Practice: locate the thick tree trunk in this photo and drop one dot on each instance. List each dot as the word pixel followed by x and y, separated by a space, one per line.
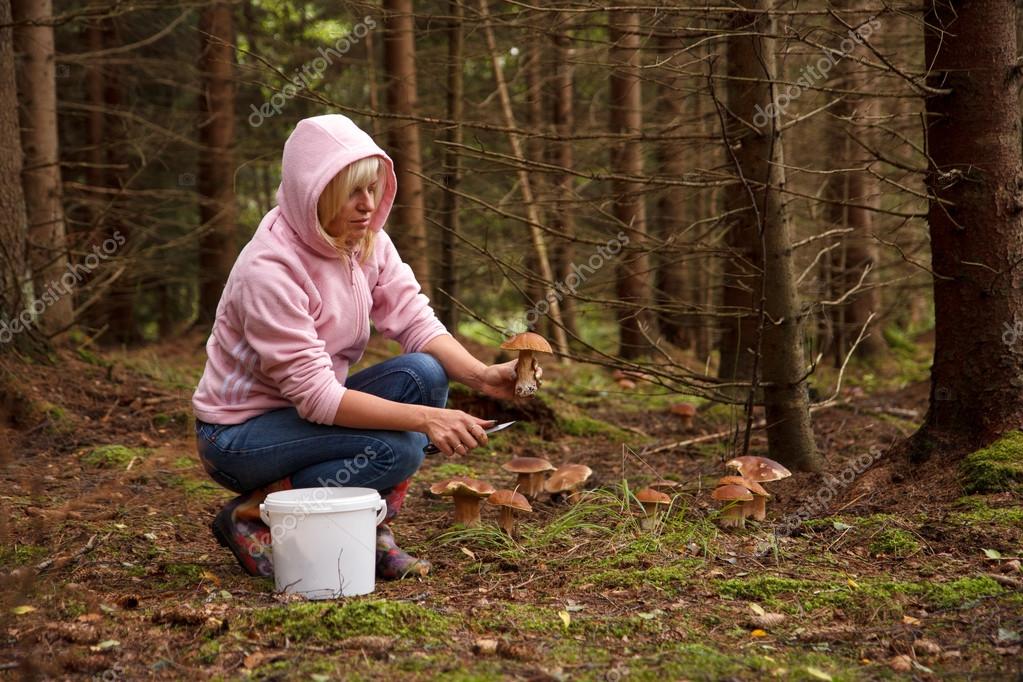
pixel 408 219
pixel 447 311
pixel 760 161
pixel 217 206
pixel 973 137
pixel 532 64
pixel 563 218
pixel 626 117
pixel 37 91
pixel 12 199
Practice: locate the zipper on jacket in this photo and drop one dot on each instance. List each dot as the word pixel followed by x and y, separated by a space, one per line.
pixel 358 298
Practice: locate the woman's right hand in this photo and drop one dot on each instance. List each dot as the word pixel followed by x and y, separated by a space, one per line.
pixel 455 432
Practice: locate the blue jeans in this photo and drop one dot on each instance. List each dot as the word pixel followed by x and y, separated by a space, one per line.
pixel 279 443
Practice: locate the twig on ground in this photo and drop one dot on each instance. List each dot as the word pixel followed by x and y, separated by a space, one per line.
pixel 85 549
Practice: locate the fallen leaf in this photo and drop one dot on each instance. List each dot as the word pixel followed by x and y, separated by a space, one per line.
pixel 1007 636
pixel 838 525
pixel 927 646
pixel 757 609
pixel 468 552
pixel 22 610
pixel 901 663
pixel 910 620
pixel 992 554
pixel 484 647
pixel 758 633
pixel 105 644
pixel 215 579
pixel 853 584
pixel 817 673
pixel 566 618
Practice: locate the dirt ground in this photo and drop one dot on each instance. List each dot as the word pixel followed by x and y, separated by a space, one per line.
pixel 110 572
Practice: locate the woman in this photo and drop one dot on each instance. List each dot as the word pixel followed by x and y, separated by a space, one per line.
pixel 275 407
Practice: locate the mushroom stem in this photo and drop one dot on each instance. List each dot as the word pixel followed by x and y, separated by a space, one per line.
pixel 506 520
pixel 531 485
pixel 734 516
pixel 758 509
pixel 467 510
pixel 525 374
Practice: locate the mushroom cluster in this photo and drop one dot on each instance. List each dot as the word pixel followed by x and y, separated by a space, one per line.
pixel 742 493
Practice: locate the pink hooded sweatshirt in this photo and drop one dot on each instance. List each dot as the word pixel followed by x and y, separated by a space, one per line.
pixel 294 315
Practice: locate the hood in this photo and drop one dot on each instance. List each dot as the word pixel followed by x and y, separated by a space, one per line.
pixel 315 152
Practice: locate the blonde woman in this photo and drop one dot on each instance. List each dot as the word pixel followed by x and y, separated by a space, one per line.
pixel 276 407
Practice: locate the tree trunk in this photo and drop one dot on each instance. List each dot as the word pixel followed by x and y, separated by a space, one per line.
pixel 532 61
pixel 973 137
pixel 13 217
pixel 563 218
pixel 407 221
pixel 670 219
pixel 760 161
pixel 447 311
pixel 626 117
pixel 747 89
pixel 217 206
pixel 850 194
pixel 37 90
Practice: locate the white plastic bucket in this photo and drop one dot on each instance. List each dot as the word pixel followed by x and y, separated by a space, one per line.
pixel 324 540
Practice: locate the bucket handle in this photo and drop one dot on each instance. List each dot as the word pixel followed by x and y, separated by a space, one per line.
pixel 381 510
pixel 264 514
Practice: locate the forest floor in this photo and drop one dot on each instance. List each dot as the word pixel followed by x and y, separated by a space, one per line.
pixel 110 572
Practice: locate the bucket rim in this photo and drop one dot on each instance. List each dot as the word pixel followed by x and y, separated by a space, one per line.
pixel 324 500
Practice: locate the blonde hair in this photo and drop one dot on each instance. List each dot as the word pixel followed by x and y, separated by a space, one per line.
pixel 336 194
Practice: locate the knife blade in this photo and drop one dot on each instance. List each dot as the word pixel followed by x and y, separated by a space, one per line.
pixel 432 449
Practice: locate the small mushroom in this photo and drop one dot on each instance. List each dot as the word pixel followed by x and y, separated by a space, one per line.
pixel 664 485
pixel 757 508
pixel 509 502
pixel 568 480
pixel 527 343
pixel 468 494
pixel 733 515
pixel 651 500
pixel 685 412
pixel 531 472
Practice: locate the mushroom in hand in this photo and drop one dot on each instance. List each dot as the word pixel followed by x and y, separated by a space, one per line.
pixel 527 371
pixel 509 502
pixel 468 494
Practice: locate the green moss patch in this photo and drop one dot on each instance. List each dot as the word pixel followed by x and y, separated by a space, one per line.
pixel 895 543
pixel 112 456
pixel 996 468
pixel 331 621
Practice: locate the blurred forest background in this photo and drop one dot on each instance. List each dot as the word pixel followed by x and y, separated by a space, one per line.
pixel 723 200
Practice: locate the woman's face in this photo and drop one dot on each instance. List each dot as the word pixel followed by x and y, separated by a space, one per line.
pixel 352 221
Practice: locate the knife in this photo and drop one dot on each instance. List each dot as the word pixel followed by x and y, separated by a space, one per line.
pixel 432 449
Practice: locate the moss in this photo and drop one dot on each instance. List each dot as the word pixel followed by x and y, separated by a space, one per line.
pixel 999 516
pixel 209 652
pixel 20 555
pixel 701 662
pixel 196 487
pixel 88 356
pixel 894 542
pixel 584 426
pixel 672 578
pixel 182 575
pixel 176 419
pixel 330 621
pixel 996 468
pixel 112 456
pixel 962 591
pixel 449 470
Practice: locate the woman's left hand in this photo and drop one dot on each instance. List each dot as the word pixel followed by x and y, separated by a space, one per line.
pixel 498 381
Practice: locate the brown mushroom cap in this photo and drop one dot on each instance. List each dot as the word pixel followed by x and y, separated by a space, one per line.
pixel 528 341
pixel 664 484
pixel 567 477
pixel 510 499
pixel 463 486
pixel 752 486
pixel 683 409
pixel 760 469
pixel 732 493
pixel 527 465
pixel 650 496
